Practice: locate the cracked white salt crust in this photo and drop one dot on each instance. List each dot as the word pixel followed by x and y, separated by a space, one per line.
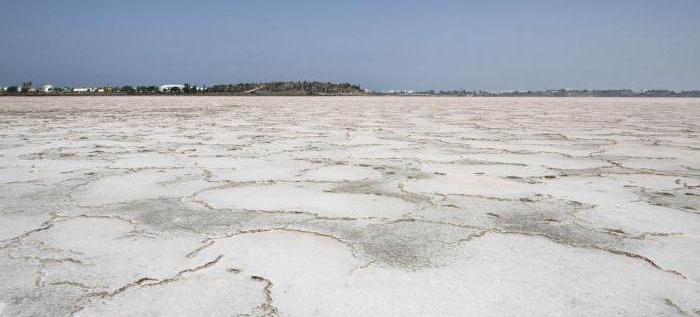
pixel 14 225
pixel 146 184
pixel 655 182
pixel 108 253
pixel 148 160
pixel 550 160
pixel 469 184
pixel 666 165
pixel 492 276
pixel 308 198
pixel 498 170
pixel 589 190
pixel 635 217
pixel 341 174
pixel 250 169
pixel 316 206
pixel 212 293
pixel 672 252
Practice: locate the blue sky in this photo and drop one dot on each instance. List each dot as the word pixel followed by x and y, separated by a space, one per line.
pixel 493 45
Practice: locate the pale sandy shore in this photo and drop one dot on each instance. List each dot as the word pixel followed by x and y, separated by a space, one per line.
pixel 349 206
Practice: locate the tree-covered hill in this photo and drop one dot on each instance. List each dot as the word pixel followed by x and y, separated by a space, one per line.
pixel 288 88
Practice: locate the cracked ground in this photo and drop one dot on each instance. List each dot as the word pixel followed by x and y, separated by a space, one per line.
pixel 349 206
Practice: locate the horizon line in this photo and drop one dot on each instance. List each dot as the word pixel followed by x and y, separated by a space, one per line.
pixel 417 90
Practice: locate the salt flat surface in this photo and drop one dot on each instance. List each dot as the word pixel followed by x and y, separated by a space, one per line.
pixel 349 206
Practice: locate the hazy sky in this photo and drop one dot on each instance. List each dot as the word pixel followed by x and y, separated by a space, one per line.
pixel 495 45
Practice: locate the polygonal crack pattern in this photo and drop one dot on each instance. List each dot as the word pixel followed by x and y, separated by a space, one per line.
pixel 335 206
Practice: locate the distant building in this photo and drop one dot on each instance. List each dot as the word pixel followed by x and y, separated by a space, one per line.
pixel 48 88
pixel 83 89
pixel 3 88
pixel 169 88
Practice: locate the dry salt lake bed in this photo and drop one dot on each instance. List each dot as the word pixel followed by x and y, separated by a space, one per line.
pixel 349 206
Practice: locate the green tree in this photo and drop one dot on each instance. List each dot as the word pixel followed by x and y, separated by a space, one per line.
pixel 127 89
pixel 26 86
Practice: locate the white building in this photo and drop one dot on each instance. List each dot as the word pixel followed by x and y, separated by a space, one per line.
pixel 169 88
pixel 47 88
pixel 83 89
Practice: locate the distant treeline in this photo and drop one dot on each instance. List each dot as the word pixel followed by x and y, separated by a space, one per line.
pixel 552 93
pixel 289 87
pixel 272 88
pixel 310 88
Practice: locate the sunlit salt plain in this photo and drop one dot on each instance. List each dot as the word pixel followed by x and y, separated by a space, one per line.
pixel 349 206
